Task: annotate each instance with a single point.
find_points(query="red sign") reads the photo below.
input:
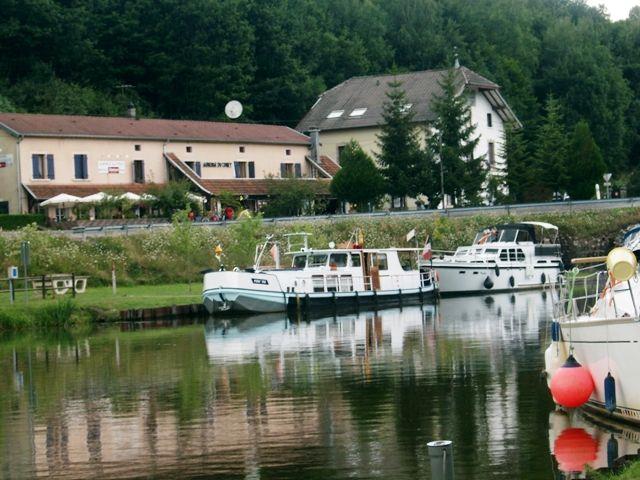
(3, 164)
(114, 170)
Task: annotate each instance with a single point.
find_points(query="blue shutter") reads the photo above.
(283, 170)
(236, 166)
(85, 167)
(77, 166)
(51, 173)
(298, 168)
(198, 166)
(252, 169)
(35, 164)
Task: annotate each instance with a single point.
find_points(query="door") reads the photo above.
(138, 171)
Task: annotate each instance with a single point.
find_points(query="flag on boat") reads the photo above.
(426, 251)
(411, 235)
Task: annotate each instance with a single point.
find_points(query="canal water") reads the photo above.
(263, 397)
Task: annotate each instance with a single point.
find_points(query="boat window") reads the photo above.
(338, 259)
(512, 254)
(407, 261)
(355, 260)
(346, 283)
(299, 261)
(317, 260)
(520, 255)
(508, 235)
(523, 236)
(491, 251)
(504, 255)
(462, 252)
(332, 283)
(379, 260)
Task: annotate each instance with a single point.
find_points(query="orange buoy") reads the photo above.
(573, 449)
(571, 385)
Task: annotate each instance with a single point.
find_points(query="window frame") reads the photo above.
(86, 156)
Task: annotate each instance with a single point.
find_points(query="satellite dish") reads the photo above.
(233, 109)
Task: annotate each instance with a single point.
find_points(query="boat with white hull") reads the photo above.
(322, 277)
(601, 328)
(507, 257)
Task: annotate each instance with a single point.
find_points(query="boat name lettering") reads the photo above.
(260, 281)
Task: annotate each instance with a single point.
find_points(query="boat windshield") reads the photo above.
(317, 260)
(299, 261)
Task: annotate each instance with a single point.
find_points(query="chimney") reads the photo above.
(131, 111)
(314, 134)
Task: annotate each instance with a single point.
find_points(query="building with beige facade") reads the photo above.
(353, 110)
(42, 156)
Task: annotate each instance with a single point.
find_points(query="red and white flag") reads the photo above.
(426, 251)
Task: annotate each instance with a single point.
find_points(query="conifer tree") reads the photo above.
(403, 163)
(358, 181)
(550, 168)
(585, 163)
(516, 152)
(453, 144)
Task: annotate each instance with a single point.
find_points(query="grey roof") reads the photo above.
(370, 92)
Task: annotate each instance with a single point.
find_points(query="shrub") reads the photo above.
(14, 222)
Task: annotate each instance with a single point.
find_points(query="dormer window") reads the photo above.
(357, 112)
(335, 114)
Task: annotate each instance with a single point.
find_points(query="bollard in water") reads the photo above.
(441, 458)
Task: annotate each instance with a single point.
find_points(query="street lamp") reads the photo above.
(607, 183)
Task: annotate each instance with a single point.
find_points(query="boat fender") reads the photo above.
(571, 385)
(512, 281)
(488, 283)
(610, 393)
(555, 331)
(543, 279)
(497, 270)
(612, 451)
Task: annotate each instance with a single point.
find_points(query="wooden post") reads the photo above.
(12, 292)
(73, 285)
(113, 277)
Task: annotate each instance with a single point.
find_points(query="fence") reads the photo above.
(516, 209)
(40, 286)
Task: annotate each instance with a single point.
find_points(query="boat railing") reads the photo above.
(581, 289)
(345, 282)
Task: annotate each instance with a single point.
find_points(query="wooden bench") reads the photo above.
(60, 283)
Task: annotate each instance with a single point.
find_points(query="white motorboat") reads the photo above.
(321, 277)
(506, 257)
(597, 321)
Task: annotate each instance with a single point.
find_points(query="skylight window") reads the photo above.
(357, 112)
(335, 114)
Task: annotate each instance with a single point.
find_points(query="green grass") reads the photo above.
(630, 472)
(96, 303)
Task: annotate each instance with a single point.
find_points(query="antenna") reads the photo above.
(233, 109)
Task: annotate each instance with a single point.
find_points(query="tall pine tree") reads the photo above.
(585, 163)
(453, 143)
(516, 152)
(403, 163)
(550, 168)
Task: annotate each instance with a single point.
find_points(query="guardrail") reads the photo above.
(522, 208)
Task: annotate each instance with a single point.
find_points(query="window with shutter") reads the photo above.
(298, 170)
(138, 171)
(80, 166)
(37, 165)
(252, 170)
(51, 173)
(283, 170)
(236, 166)
(198, 168)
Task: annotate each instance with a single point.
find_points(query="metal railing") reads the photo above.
(335, 282)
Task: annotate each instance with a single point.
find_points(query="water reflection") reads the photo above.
(265, 397)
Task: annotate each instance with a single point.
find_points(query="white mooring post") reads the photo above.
(441, 458)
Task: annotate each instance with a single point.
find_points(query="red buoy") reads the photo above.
(573, 449)
(571, 385)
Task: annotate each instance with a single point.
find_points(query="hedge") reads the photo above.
(14, 222)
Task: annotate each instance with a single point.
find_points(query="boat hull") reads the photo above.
(602, 347)
(454, 279)
(232, 300)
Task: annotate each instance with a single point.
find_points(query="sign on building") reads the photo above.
(6, 160)
(111, 166)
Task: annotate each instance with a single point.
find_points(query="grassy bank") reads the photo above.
(97, 303)
(180, 253)
(630, 472)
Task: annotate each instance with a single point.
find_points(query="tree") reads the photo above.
(289, 197)
(358, 181)
(550, 175)
(453, 144)
(585, 163)
(519, 168)
(404, 165)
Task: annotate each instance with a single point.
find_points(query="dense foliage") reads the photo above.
(13, 222)
(359, 180)
(277, 56)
